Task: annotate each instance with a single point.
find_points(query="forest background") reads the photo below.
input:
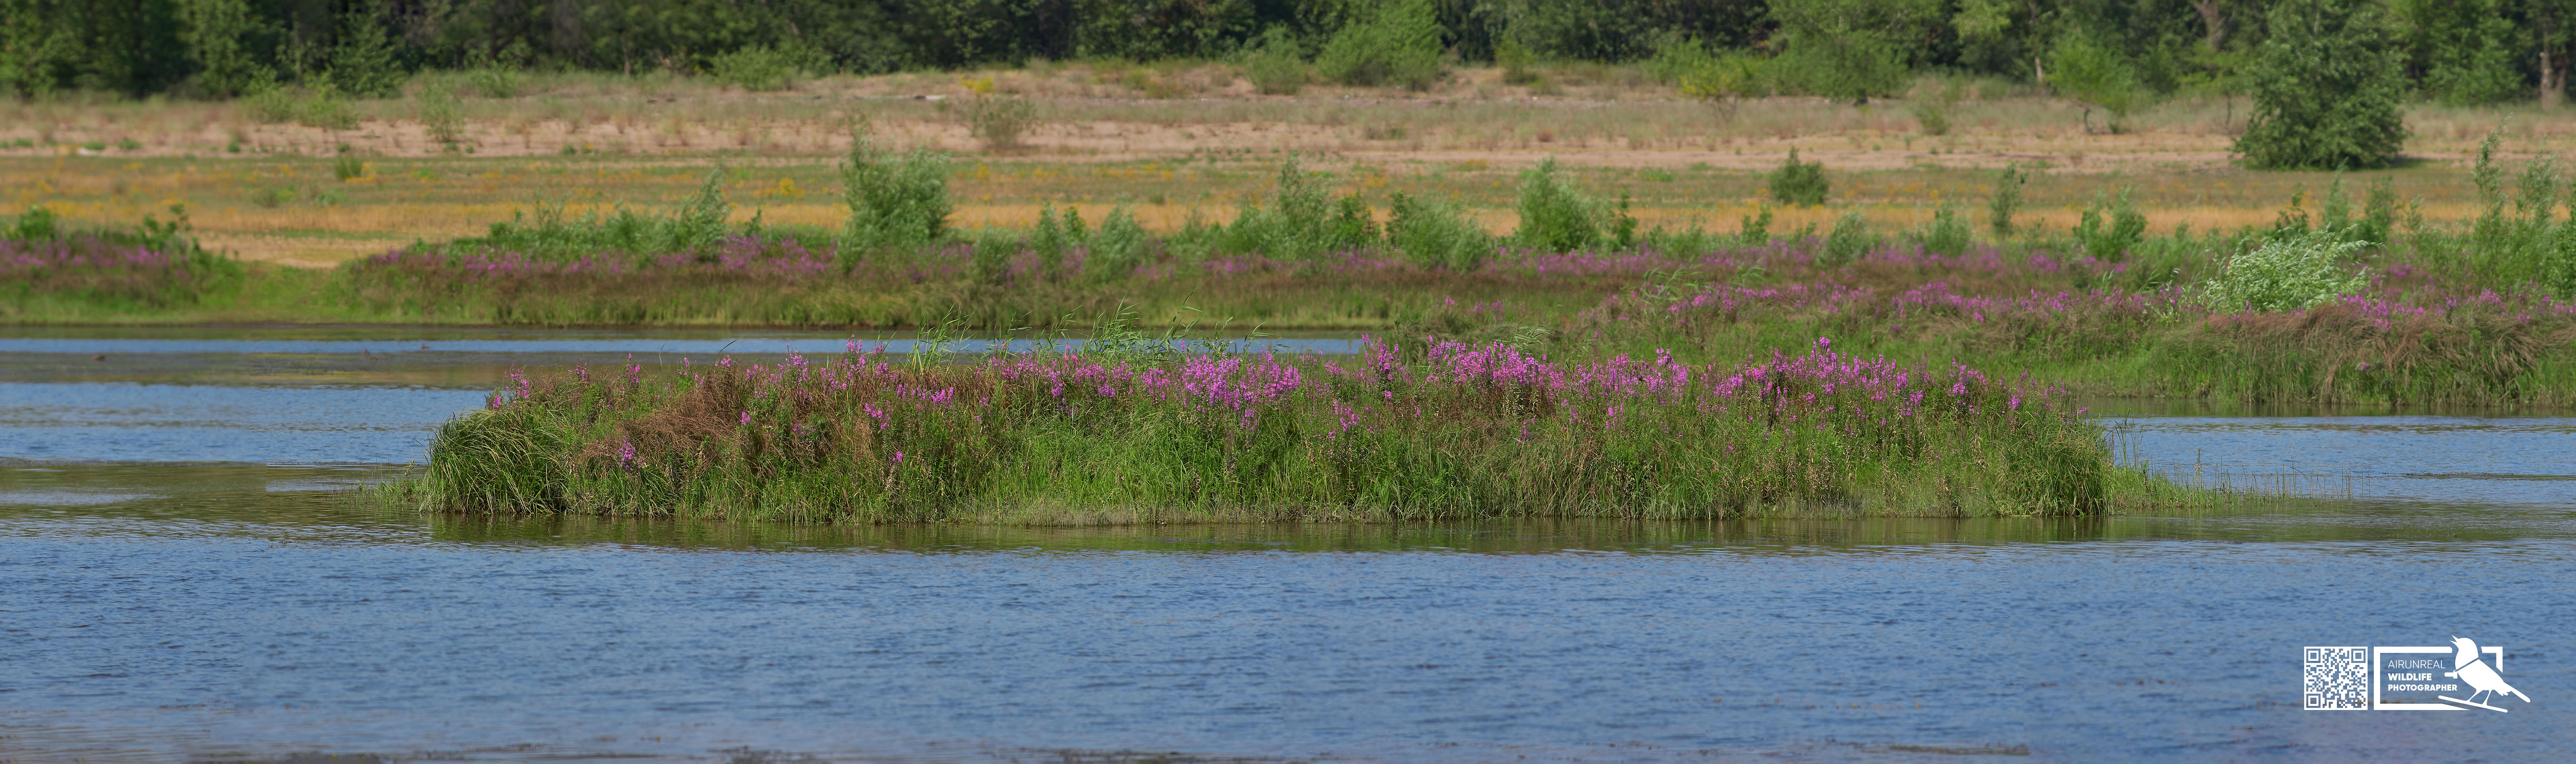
(2457, 52)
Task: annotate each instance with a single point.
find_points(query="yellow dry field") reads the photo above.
(1170, 141)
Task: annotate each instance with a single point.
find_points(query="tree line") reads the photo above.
(2452, 51)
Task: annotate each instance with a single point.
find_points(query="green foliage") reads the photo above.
(1434, 233)
(1932, 113)
(1119, 247)
(1850, 50)
(1554, 216)
(761, 68)
(1675, 57)
(1756, 230)
(39, 224)
(348, 167)
(1847, 241)
(1727, 75)
(2467, 49)
(2107, 230)
(362, 62)
(441, 115)
(495, 80)
(218, 35)
(2005, 201)
(696, 228)
(999, 121)
(1398, 45)
(2378, 225)
(2328, 90)
(2287, 273)
(894, 201)
(1298, 223)
(1274, 65)
(1948, 234)
(2090, 73)
(1520, 66)
(1005, 442)
(1800, 183)
(321, 107)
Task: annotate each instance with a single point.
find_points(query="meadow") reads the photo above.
(1589, 214)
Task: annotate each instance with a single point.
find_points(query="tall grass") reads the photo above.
(46, 265)
(1466, 431)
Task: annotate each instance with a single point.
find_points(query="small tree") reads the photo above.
(893, 201)
(2328, 90)
(362, 63)
(1849, 49)
(1400, 45)
(2092, 74)
(1274, 66)
(1799, 182)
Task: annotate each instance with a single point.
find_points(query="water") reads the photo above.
(180, 579)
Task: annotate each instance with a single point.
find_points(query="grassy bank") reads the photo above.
(1127, 435)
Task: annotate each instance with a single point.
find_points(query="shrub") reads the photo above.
(2328, 89)
(760, 68)
(1847, 49)
(1119, 247)
(2093, 75)
(999, 121)
(1675, 57)
(1554, 216)
(894, 202)
(1849, 239)
(1295, 226)
(2006, 200)
(1948, 235)
(1274, 66)
(494, 81)
(1520, 66)
(1730, 75)
(363, 64)
(1433, 233)
(2287, 273)
(269, 105)
(2106, 231)
(441, 115)
(1399, 45)
(2558, 268)
(348, 167)
(1799, 182)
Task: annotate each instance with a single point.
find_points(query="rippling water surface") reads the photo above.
(183, 578)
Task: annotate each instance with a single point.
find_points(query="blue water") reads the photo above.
(181, 578)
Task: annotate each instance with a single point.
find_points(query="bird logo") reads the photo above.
(2469, 667)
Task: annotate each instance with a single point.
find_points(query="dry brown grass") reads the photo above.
(645, 141)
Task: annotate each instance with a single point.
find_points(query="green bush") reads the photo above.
(1520, 66)
(2329, 89)
(999, 121)
(1948, 235)
(1849, 50)
(1274, 66)
(1554, 216)
(1119, 247)
(1849, 239)
(363, 64)
(761, 68)
(441, 115)
(2106, 231)
(1435, 233)
(2089, 73)
(1399, 45)
(2006, 200)
(2287, 273)
(1296, 225)
(894, 201)
(495, 81)
(348, 167)
(1799, 182)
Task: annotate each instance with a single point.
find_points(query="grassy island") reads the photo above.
(1118, 435)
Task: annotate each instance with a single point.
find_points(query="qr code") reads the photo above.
(2338, 678)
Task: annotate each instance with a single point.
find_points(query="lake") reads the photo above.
(182, 577)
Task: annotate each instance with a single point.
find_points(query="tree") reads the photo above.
(1851, 49)
(2328, 89)
(2466, 50)
(2088, 73)
(218, 35)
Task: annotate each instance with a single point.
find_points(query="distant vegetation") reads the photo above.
(2114, 57)
(1134, 432)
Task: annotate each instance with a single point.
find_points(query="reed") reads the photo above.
(1123, 436)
